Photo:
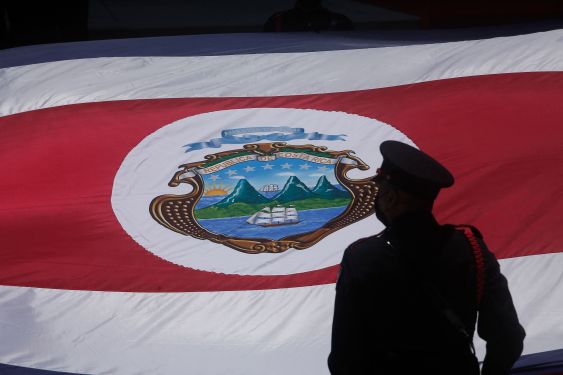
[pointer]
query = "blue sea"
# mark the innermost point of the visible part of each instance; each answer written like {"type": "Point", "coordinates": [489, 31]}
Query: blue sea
{"type": "Point", "coordinates": [238, 227]}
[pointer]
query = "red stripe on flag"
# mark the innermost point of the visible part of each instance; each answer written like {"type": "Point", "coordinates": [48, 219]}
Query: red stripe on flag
{"type": "Point", "coordinates": [500, 136]}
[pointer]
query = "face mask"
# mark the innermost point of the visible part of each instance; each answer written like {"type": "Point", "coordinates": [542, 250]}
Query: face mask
{"type": "Point", "coordinates": [379, 213]}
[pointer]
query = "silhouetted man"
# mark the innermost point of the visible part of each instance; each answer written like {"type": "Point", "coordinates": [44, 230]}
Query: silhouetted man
{"type": "Point", "coordinates": [308, 15]}
{"type": "Point", "coordinates": [407, 299]}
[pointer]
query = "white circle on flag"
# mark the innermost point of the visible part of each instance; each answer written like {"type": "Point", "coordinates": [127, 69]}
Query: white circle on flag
{"type": "Point", "coordinates": [147, 169]}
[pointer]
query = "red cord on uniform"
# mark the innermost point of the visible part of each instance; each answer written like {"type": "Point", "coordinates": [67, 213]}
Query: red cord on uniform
{"type": "Point", "coordinates": [479, 261]}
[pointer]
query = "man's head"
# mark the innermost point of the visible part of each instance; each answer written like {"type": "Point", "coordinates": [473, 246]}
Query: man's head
{"type": "Point", "coordinates": [408, 179]}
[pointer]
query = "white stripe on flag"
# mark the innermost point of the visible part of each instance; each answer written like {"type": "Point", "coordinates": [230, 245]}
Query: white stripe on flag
{"type": "Point", "coordinates": [283, 331]}
{"type": "Point", "coordinates": [537, 291]}
{"type": "Point", "coordinates": [100, 79]}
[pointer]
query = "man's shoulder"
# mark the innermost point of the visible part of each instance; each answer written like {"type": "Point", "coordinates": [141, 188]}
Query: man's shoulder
{"type": "Point", "coordinates": [465, 245]}
{"type": "Point", "coordinates": [366, 248]}
{"type": "Point", "coordinates": [367, 242]}
{"type": "Point", "coordinates": [457, 235]}
{"type": "Point", "coordinates": [370, 258]}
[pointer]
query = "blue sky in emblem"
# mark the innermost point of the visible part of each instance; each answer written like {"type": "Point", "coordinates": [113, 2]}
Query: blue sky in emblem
{"type": "Point", "coordinates": [260, 173]}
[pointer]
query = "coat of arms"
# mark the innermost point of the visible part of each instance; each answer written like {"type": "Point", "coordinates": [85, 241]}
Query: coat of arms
{"type": "Point", "coordinates": [285, 196]}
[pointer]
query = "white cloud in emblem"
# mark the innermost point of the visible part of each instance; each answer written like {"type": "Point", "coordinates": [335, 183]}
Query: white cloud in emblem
{"type": "Point", "coordinates": [285, 174]}
{"type": "Point", "coordinates": [237, 177]}
{"type": "Point", "coordinates": [317, 175]}
{"type": "Point", "coordinates": [323, 168]}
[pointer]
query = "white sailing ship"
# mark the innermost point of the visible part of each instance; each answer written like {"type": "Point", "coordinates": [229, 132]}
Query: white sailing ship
{"type": "Point", "coordinates": [278, 215]}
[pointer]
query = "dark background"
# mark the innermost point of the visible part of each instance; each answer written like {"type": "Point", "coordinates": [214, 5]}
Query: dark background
{"type": "Point", "coordinates": [37, 22]}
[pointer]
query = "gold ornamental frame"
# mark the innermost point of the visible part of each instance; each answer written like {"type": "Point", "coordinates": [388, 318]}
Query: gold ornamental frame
{"type": "Point", "coordinates": [176, 212]}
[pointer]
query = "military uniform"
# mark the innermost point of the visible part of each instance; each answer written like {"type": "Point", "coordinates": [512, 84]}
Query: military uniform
{"type": "Point", "coordinates": [394, 295]}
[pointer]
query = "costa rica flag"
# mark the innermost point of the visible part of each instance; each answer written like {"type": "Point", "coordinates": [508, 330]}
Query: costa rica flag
{"type": "Point", "coordinates": [131, 171]}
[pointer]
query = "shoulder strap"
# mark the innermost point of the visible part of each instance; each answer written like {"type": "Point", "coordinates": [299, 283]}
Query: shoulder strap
{"type": "Point", "coordinates": [479, 261]}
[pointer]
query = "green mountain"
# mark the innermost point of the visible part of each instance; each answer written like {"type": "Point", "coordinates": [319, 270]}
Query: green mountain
{"type": "Point", "coordinates": [245, 200]}
{"type": "Point", "coordinates": [242, 193]}
{"type": "Point", "coordinates": [327, 190]}
{"type": "Point", "coordinates": [294, 190]}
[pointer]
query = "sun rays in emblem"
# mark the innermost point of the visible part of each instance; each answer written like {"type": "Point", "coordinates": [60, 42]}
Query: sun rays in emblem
{"type": "Point", "coordinates": [217, 190]}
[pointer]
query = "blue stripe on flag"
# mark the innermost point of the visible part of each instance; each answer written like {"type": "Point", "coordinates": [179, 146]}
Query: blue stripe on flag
{"type": "Point", "coordinates": [252, 43]}
{"type": "Point", "coordinates": [18, 370]}
{"type": "Point", "coordinates": [532, 364]}
{"type": "Point", "coordinates": [540, 363]}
